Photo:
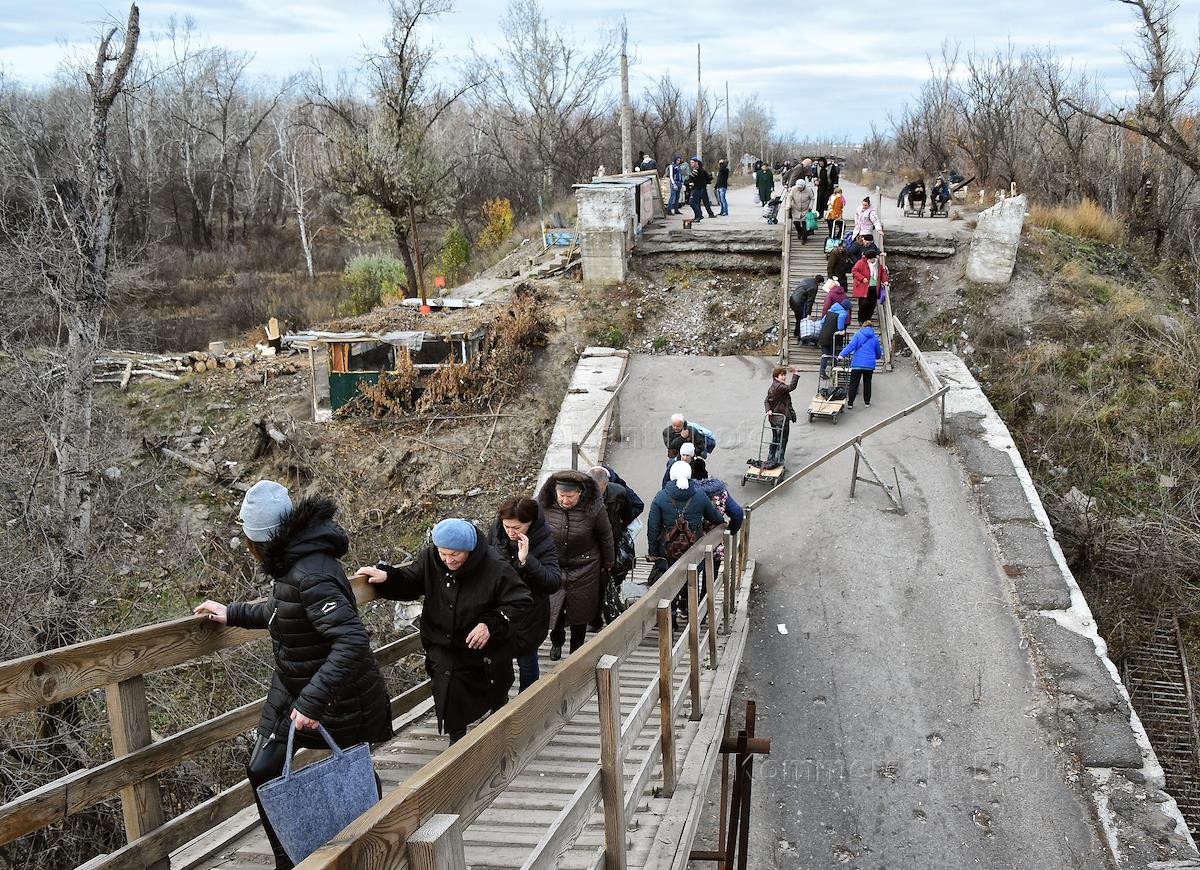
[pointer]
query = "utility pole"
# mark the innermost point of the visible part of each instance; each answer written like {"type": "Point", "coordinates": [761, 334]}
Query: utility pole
{"type": "Point", "coordinates": [626, 108]}
{"type": "Point", "coordinates": [699, 108]}
{"type": "Point", "coordinates": [728, 148]}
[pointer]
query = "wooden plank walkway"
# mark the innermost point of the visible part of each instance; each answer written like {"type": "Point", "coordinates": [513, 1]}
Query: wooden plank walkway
{"type": "Point", "coordinates": [507, 832]}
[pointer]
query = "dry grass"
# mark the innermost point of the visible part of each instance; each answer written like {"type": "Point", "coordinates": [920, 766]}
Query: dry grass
{"type": "Point", "coordinates": [1084, 220]}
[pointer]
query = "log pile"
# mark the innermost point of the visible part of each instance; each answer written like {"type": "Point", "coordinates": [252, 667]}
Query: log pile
{"type": "Point", "coordinates": [121, 366]}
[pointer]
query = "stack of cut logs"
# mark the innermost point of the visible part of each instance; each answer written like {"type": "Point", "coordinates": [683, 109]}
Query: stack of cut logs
{"type": "Point", "coordinates": [119, 366]}
{"type": "Point", "coordinates": [207, 360]}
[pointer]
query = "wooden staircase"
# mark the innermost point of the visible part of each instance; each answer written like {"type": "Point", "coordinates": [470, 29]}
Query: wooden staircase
{"type": "Point", "coordinates": [802, 261]}
{"type": "Point", "coordinates": [1156, 674]}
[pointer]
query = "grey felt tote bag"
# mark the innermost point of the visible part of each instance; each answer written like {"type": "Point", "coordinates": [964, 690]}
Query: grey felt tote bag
{"type": "Point", "coordinates": [308, 806]}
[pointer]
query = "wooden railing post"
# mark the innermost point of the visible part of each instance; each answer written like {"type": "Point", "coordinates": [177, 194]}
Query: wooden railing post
{"type": "Point", "coordinates": [574, 455]}
{"type": "Point", "coordinates": [693, 582]}
{"type": "Point", "coordinates": [437, 845]}
{"type": "Point", "coordinates": [129, 719]}
{"type": "Point", "coordinates": [710, 585]}
{"type": "Point", "coordinates": [612, 762]}
{"type": "Point", "coordinates": [726, 567]}
{"type": "Point", "coordinates": [666, 706]}
{"type": "Point", "coordinates": [743, 548]}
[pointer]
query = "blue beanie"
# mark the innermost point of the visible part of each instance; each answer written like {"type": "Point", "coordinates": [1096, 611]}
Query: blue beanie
{"type": "Point", "coordinates": [454, 534]}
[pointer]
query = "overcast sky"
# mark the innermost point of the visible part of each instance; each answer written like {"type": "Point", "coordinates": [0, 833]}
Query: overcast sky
{"type": "Point", "coordinates": [829, 73]}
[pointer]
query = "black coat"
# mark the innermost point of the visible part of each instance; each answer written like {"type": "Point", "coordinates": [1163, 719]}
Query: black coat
{"type": "Point", "coordinates": [324, 666]}
{"type": "Point", "coordinates": [541, 573]}
{"type": "Point", "coordinates": [466, 682]}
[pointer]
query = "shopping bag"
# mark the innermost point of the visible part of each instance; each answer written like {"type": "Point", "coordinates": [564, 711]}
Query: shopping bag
{"type": "Point", "coordinates": [810, 220]}
{"type": "Point", "coordinates": [308, 807]}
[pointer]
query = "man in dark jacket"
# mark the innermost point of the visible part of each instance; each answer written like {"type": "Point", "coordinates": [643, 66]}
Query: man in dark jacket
{"type": "Point", "coordinates": [802, 299]}
{"type": "Point", "coordinates": [325, 672]}
{"type": "Point", "coordinates": [780, 413]}
{"type": "Point", "coordinates": [832, 326]}
{"type": "Point", "coordinates": [721, 186]}
{"type": "Point", "coordinates": [472, 597]}
{"type": "Point", "coordinates": [681, 430]}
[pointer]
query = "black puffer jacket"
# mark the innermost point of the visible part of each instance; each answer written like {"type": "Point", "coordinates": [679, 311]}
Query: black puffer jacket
{"type": "Point", "coordinates": [466, 682]}
{"type": "Point", "coordinates": [324, 666]}
{"type": "Point", "coordinates": [541, 574]}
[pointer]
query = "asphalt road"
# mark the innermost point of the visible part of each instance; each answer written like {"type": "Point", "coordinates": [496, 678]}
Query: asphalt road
{"type": "Point", "coordinates": [901, 700]}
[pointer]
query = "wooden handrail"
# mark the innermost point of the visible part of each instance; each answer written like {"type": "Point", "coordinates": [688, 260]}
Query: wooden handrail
{"type": "Point", "coordinates": [79, 790]}
{"type": "Point", "coordinates": [41, 679]}
{"type": "Point", "coordinates": [465, 778]}
{"type": "Point", "coordinates": [845, 445]}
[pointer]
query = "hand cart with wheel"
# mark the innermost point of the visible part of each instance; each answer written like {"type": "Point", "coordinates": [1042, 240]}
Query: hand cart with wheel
{"type": "Point", "coordinates": [830, 400]}
{"type": "Point", "coordinates": [756, 469]}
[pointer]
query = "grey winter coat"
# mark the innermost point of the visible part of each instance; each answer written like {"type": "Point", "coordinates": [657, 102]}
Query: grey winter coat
{"type": "Point", "coordinates": [584, 540]}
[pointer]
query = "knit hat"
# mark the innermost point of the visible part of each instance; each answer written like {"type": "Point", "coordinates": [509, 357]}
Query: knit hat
{"type": "Point", "coordinates": [265, 504]}
{"type": "Point", "coordinates": [454, 534]}
{"type": "Point", "coordinates": [687, 448]}
{"type": "Point", "coordinates": [681, 473]}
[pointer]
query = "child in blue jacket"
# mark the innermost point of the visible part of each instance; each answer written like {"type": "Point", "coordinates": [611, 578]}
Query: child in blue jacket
{"type": "Point", "coordinates": [864, 350]}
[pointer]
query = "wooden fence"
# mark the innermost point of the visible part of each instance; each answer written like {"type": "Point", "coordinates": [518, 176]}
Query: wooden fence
{"type": "Point", "coordinates": [462, 780]}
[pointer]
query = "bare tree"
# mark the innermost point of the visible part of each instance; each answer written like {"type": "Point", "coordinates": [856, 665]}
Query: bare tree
{"type": "Point", "coordinates": [1168, 76]}
{"type": "Point", "coordinates": [61, 243]}
{"type": "Point", "coordinates": [293, 166]}
{"type": "Point", "coordinates": [547, 109]}
{"type": "Point", "coordinates": [387, 153]}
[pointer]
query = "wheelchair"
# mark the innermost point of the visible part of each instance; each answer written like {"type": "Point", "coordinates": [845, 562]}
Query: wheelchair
{"type": "Point", "coordinates": [916, 199]}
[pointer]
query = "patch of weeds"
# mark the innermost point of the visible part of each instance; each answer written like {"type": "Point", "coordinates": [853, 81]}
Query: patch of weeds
{"type": "Point", "coordinates": [660, 342]}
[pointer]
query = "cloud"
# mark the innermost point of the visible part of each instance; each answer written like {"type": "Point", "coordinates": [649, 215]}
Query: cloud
{"type": "Point", "coordinates": [829, 68]}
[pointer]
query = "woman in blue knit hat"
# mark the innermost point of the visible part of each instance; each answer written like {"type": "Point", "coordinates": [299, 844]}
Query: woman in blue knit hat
{"type": "Point", "coordinates": [472, 598]}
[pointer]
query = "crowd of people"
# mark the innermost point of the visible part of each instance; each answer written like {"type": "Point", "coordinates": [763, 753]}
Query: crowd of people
{"type": "Point", "coordinates": [551, 566]}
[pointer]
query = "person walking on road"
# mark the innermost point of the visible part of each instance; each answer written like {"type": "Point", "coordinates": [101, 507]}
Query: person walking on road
{"type": "Point", "coordinates": [764, 181]}
{"type": "Point", "coordinates": [780, 413]}
{"type": "Point", "coordinates": [686, 452]}
{"type": "Point", "coordinates": [575, 514]}
{"type": "Point", "coordinates": [682, 429]}
{"type": "Point", "coordinates": [472, 599]}
{"type": "Point", "coordinates": [864, 351]}
{"type": "Point", "coordinates": [325, 673]}
{"type": "Point", "coordinates": [522, 538]}
{"type": "Point", "coordinates": [721, 186]}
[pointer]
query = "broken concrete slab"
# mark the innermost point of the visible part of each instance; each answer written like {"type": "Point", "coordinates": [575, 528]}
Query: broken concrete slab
{"type": "Point", "coordinates": [1070, 660]}
{"type": "Point", "coordinates": [1040, 588]}
{"type": "Point", "coordinates": [994, 244]}
{"type": "Point", "coordinates": [1004, 500]}
{"type": "Point", "coordinates": [1024, 546]}
{"type": "Point", "coordinates": [1105, 740]}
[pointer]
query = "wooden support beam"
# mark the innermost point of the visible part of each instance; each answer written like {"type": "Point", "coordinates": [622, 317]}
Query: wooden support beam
{"type": "Point", "coordinates": [693, 585]}
{"type": "Point", "coordinates": [612, 761]}
{"type": "Point", "coordinates": [710, 585]}
{"type": "Point", "coordinates": [666, 710]}
{"type": "Point", "coordinates": [129, 719]}
{"type": "Point", "coordinates": [438, 845]}
{"type": "Point", "coordinates": [878, 481]}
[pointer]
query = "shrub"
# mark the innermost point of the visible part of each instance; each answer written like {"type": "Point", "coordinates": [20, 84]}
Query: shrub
{"type": "Point", "coordinates": [498, 222]}
{"type": "Point", "coordinates": [368, 278]}
{"type": "Point", "coordinates": [1084, 220]}
{"type": "Point", "coordinates": [456, 251]}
